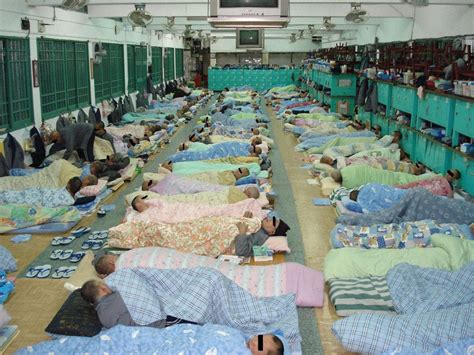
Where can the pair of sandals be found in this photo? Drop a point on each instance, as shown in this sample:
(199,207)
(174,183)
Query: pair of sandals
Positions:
(99,235)
(73,257)
(63,240)
(92,244)
(40,271)
(63,272)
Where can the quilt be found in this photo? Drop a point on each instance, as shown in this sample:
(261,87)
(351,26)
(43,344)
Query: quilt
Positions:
(38,197)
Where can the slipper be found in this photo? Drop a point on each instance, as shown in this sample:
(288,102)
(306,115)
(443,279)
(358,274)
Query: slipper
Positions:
(80,231)
(68,240)
(103,235)
(44,272)
(87,244)
(59,272)
(67,274)
(56,241)
(56,254)
(33,271)
(66,254)
(76,257)
(97,245)
(101,212)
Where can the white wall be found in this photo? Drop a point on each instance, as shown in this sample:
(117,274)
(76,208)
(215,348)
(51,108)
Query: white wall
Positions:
(271,45)
(71,25)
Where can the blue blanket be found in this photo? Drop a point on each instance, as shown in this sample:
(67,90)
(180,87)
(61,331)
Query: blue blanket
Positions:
(229,121)
(215,151)
(375,197)
(322,140)
(178,339)
(203,295)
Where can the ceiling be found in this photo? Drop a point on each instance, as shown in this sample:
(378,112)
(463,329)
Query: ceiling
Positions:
(302,13)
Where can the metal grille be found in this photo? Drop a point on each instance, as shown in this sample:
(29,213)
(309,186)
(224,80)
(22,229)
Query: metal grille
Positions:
(63,75)
(132,81)
(109,75)
(157,64)
(141,66)
(179,63)
(169,64)
(16,108)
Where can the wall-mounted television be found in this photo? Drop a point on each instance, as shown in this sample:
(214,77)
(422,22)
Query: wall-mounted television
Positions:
(273,13)
(251,38)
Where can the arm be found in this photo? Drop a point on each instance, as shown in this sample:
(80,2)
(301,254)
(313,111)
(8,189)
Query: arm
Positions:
(244,243)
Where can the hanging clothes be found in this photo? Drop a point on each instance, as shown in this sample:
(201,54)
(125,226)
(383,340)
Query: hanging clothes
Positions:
(82,117)
(362,92)
(14,154)
(4,171)
(62,122)
(39,155)
(371,103)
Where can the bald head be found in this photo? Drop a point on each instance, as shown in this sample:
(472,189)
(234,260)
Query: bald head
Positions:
(252,192)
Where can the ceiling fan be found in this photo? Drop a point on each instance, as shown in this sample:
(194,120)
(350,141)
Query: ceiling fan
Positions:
(188,32)
(139,17)
(357,14)
(73,5)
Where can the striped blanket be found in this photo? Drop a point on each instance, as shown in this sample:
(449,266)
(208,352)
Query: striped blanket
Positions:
(260,281)
(360,295)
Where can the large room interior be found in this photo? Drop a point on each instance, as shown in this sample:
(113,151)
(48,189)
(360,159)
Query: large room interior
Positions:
(236,177)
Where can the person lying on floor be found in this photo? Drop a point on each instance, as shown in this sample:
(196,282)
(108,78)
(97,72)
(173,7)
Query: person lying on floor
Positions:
(215,151)
(161,211)
(375,162)
(75,137)
(106,170)
(271,225)
(43,197)
(112,309)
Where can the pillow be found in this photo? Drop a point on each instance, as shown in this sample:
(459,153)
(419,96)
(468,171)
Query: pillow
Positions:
(246,180)
(76,317)
(328,185)
(94,190)
(460,251)
(7,261)
(351,205)
(278,244)
(85,272)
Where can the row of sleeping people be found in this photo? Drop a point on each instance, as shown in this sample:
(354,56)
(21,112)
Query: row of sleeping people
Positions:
(403,245)
(210,198)
(84,160)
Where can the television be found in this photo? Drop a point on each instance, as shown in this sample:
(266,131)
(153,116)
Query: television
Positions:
(249,13)
(251,38)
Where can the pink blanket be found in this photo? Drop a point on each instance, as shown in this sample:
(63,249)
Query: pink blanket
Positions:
(262,281)
(166,212)
(437,186)
(173,184)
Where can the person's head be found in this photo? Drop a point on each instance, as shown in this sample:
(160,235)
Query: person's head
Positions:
(193,137)
(105,265)
(168,165)
(255,131)
(226,89)
(270,345)
(139,204)
(273,225)
(256,141)
(252,192)
(92,291)
(255,151)
(337,176)
(397,136)
(99,125)
(326,160)
(377,129)
(241,172)
(182,146)
(353,195)
(419,169)
(146,185)
(453,175)
(89,180)
(97,167)
(169,117)
(54,137)
(74,185)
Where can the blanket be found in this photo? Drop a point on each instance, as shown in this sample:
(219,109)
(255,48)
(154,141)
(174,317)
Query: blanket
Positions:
(178,339)
(260,281)
(173,184)
(137,131)
(215,151)
(22,216)
(203,295)
(196,167)
(418,290)
(161,211)
(316,143)
(343,142)
(388,152)
(357,146)
(102,148)
(399,236)
(210,236)
(375,197)
(38,197)
(54,176)
(418,204)
(356,175)
(437,185)
(435,306)
(377,162)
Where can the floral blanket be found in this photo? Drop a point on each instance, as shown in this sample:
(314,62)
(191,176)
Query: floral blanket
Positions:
(399,236)
(437,185)
(22,216)
(376,162)
(351,148)
(38,197)
(210,236)
(214,151)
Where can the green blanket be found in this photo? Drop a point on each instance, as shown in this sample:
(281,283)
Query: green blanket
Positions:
(22,216)
(390,153)
(341,141)
(356,175)
(448,253)
(288,88)
(317,116)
